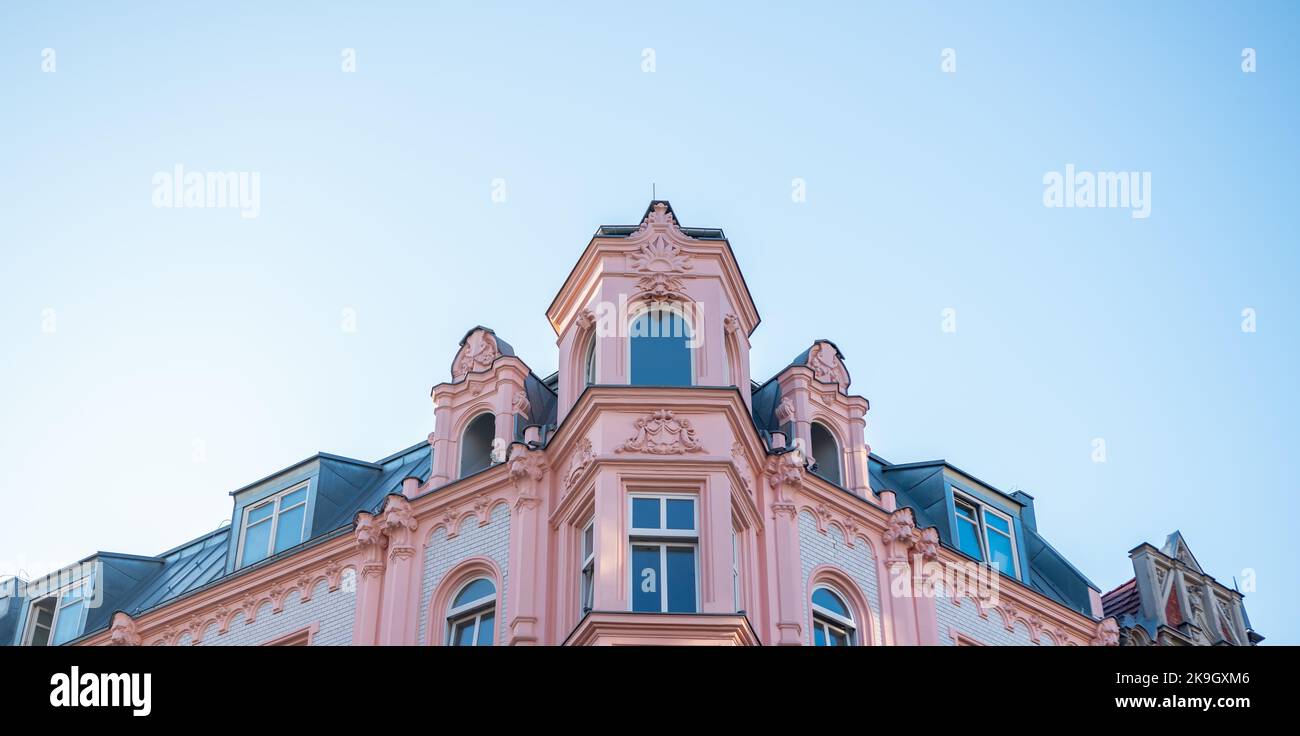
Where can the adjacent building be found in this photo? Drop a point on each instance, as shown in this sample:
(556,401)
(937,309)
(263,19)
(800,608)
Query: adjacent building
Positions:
(651,491)
(1170,600)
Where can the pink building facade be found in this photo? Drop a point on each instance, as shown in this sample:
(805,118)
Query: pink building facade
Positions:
(649,492)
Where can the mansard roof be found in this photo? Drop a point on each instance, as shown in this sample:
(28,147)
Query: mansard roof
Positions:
(135,583)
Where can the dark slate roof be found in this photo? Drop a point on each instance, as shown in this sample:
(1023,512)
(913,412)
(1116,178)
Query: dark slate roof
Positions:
(188,567)
(135,584)
(920,487)
(543,403)
(1122,601)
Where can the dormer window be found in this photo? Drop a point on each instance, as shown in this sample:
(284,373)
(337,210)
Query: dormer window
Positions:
(273,525)
(826,451)
(986,535)
(660,348)
(57,618)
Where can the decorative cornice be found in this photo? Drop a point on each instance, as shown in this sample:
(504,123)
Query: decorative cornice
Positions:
(661,433)
(659,265)
(398,524)
(784,410)
(123,632)
(527,468)
(826,365)
(903,538)
(784,470)
(658,217)
(372,541)
(519,404)
(741,461)
(1106,634)
(582,456)
(476,355)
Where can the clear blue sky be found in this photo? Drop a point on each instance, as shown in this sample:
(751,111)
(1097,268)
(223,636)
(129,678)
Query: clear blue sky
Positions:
(183,329)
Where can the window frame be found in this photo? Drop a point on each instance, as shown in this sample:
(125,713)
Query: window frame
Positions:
(273,520)
(663,538)
(587,569)
(62,600)
(1009,534)
(473,610)
(982,531)
(827,620)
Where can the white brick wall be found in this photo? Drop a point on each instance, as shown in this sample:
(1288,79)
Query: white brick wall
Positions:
(332,612)
(965,618)
(491,540)
(857,562)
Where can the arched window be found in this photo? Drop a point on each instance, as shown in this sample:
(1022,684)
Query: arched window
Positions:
(476,444)
(589,362)
(471,620)
(832,620)
(660,348)
(826,451)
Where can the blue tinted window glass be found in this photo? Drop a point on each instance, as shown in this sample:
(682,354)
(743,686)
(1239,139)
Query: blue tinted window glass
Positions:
(288,528)
(1000,553)
(463,635)
(660,352)
(681,579)
(681,513)
(996,522)
(486,624)
(481,588)
(69,625)
(645,579)
(261,512)
(968,537)
(830,602)
(838,639)
(256,540)
(296,497)
(645,513)
(819,636)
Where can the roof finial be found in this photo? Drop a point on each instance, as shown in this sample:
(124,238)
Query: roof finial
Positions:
(653,194)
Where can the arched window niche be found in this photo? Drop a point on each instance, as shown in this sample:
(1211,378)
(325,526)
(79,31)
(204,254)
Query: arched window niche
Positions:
(660,347)
(826,451)
(476,444)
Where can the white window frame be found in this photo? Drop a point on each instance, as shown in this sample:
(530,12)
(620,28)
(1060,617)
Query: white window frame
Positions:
(587,569)
(982,530)
(273,519)
(828,620)
(29,627)
(473,610)
(663,538)
(1010,534)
